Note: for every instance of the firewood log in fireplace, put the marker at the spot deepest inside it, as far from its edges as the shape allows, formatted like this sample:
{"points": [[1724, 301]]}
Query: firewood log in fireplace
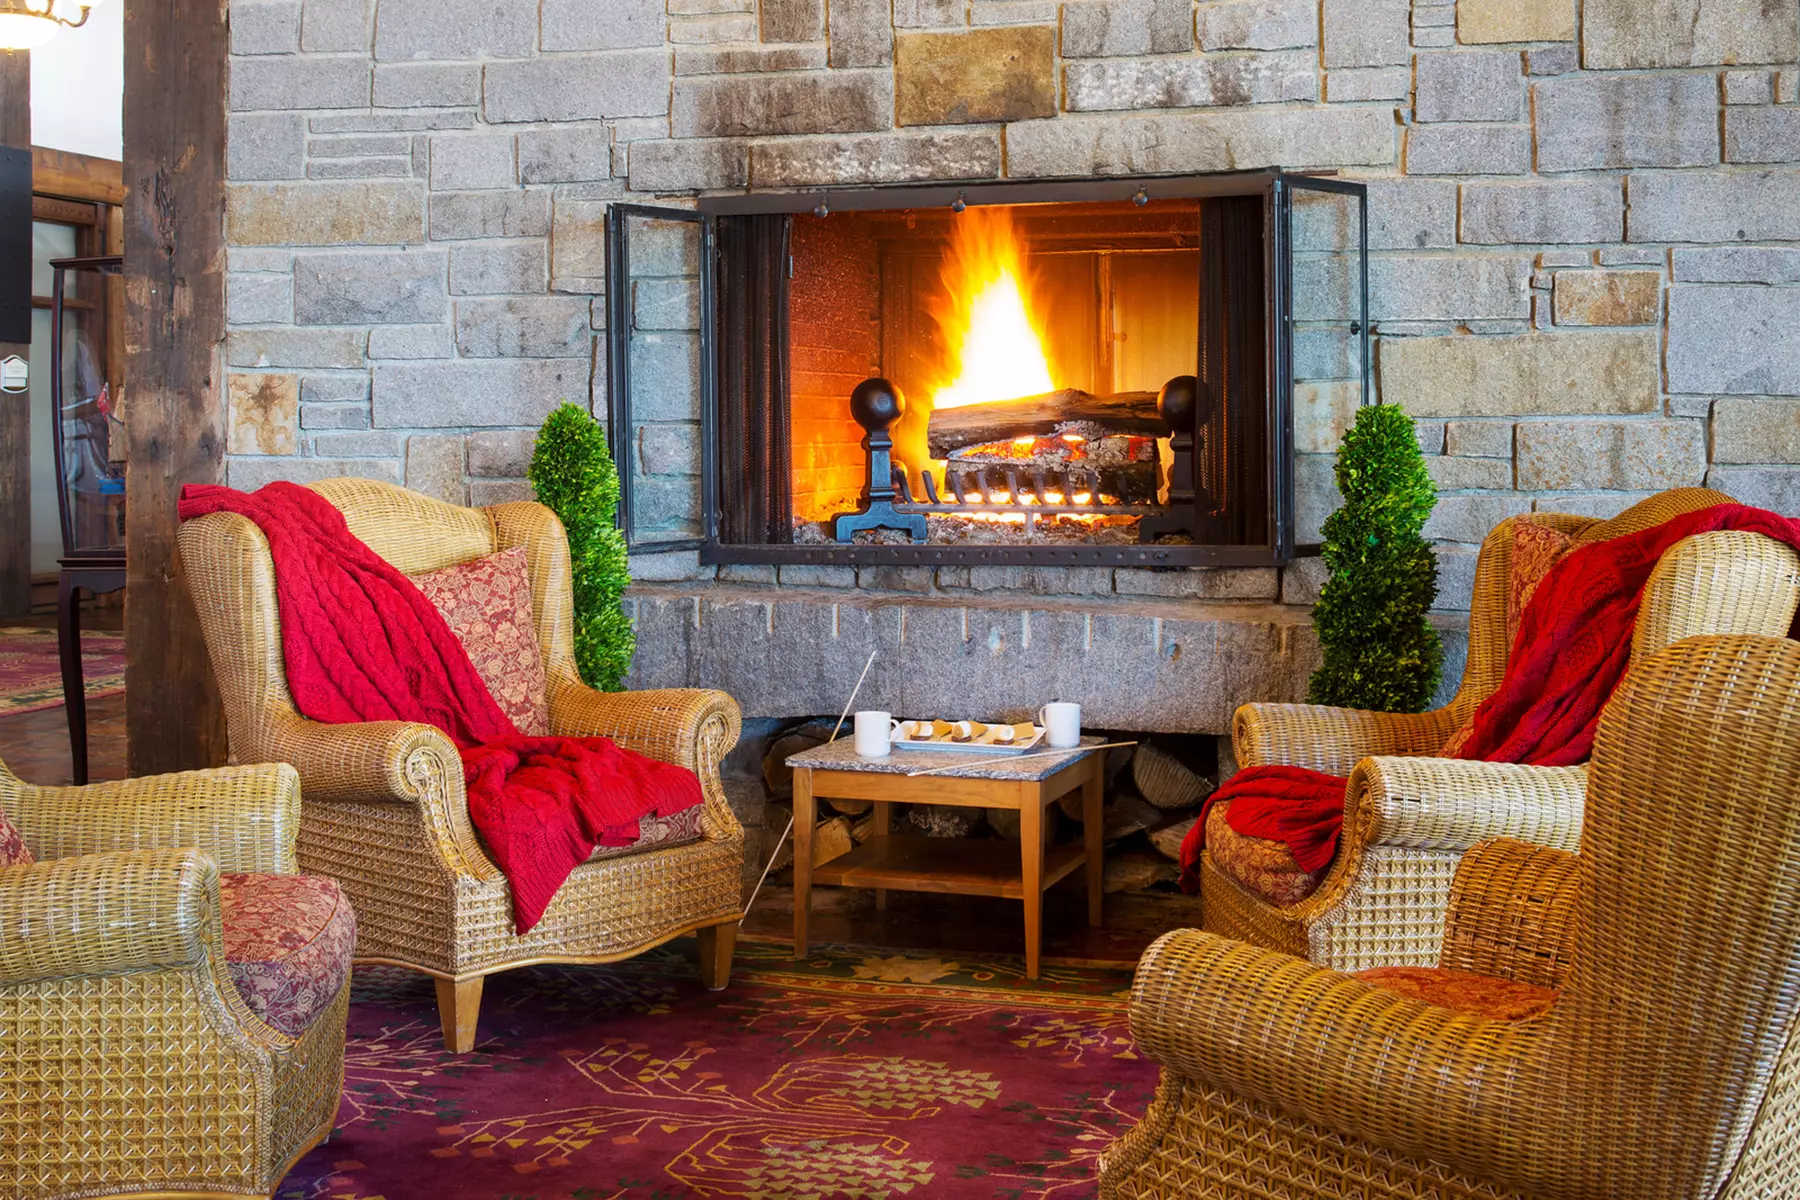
{"points": [[951, 429]]}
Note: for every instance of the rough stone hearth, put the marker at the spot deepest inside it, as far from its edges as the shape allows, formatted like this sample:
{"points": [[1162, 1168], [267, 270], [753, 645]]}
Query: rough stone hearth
{"points": [[1157, 665]]}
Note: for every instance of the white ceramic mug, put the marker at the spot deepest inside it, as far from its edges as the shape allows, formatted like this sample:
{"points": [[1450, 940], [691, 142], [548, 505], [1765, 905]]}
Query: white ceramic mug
{"points": [[873, 731], [1062, 724]]}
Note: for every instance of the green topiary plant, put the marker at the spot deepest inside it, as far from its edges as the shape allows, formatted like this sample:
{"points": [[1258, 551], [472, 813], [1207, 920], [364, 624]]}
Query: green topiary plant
{"points": [[1380, 650], [574, 475]]}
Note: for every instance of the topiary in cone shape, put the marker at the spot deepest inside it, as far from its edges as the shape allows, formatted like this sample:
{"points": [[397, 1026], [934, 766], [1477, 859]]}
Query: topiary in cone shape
{"points": [[1380, 650], [573, 473]]}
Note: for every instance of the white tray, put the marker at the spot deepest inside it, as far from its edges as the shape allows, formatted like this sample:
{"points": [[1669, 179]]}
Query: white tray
{"points": [[974, 747]]}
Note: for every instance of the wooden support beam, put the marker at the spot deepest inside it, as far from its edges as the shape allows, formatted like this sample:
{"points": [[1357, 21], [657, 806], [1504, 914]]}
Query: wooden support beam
{"points": [[175, 80], [15, 409], [77, 176]]}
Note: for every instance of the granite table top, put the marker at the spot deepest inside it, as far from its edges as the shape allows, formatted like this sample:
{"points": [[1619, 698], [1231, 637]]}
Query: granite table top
{"points": [[841, 755]]}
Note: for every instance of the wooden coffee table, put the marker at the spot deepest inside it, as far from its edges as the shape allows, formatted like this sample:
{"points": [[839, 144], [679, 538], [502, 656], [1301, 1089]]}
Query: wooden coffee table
{"points": [[955, 866]]}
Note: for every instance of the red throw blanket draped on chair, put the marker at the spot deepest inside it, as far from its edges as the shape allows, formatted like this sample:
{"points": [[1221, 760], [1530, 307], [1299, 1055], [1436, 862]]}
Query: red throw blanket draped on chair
{"points": [[1572, 648], [362, 643]]}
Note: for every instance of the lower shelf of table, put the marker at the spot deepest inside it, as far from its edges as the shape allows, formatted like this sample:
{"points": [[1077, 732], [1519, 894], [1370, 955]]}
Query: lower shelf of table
{"points": [[952, 866]]}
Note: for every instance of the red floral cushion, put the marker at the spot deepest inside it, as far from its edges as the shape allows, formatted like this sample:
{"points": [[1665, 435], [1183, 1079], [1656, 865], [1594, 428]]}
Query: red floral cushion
{"points": [[655, 832], [487, 604], [1464, 991], [1260, 865], [288, 941], [13, 852]]}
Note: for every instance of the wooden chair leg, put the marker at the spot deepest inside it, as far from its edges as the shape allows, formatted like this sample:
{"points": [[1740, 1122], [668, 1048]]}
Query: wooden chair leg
{"points": [[459, 1007], [716, 945]]}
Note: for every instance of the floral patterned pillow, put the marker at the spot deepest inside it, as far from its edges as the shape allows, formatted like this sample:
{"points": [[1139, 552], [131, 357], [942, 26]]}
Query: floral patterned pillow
{"points": [[487, 604], [12, 845]]}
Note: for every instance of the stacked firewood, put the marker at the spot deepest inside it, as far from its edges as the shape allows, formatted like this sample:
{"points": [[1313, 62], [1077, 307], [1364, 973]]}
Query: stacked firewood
{"points": [[1153, 792]]}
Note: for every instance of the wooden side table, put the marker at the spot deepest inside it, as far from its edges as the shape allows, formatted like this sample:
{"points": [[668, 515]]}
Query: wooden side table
{"points": [[954, 866]]}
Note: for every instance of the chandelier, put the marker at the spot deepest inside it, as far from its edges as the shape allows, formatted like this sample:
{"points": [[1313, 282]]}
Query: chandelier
{"points": [[28, 24]]}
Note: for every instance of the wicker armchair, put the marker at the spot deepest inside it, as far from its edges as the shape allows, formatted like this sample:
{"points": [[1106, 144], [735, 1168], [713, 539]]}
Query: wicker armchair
{"points": [[129, 1061], [1409, 818], [385, 812], [1668, 1066]]}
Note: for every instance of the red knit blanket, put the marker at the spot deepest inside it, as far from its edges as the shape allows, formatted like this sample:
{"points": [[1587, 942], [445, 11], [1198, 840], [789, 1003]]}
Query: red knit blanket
{"points": [[1571, 651], [362, 643]]}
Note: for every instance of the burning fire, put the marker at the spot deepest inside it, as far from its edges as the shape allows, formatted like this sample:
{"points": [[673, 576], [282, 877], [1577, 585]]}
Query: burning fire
{"points": [[987, 325]]}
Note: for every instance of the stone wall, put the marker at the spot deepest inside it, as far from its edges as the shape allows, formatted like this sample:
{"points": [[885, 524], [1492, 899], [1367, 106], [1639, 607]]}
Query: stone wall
{"points": [[1585, 218]]}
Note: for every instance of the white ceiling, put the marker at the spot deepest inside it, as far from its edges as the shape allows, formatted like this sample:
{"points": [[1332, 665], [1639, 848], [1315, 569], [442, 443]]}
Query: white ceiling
{"points": [[78, 86]]}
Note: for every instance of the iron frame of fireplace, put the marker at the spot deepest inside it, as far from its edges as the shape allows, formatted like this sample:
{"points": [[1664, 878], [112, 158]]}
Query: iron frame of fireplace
{"points": [[1275, 185]]}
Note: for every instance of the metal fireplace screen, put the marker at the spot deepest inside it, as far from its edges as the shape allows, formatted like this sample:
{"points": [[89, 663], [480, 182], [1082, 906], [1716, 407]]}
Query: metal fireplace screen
{"points": [[1100, 372]]}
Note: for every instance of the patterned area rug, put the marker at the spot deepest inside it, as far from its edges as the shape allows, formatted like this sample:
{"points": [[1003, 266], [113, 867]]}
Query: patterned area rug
{"points": [[857, 1074], [31, 676]]}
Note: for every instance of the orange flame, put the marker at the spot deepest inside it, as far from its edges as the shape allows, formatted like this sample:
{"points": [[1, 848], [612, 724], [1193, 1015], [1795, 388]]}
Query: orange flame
{"points": [[986, 323]]}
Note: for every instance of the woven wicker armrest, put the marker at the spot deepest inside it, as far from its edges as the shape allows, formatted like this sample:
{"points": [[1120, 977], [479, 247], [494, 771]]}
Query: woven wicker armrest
{"points": [[106, 914], [245, 818], [684, 726], [1513, 913], [1332, 739], [1328, 1048], [374, 760], [1452, 803]]}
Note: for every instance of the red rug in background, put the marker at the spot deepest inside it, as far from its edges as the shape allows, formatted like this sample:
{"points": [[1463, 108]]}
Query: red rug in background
{"points": [[31, 673], [857, 1073]]}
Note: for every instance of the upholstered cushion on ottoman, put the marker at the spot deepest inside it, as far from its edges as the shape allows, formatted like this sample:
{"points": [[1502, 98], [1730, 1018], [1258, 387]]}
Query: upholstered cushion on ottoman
{"points": [[288, 940], [1261, 866], [1465, 991], [656, 833]]}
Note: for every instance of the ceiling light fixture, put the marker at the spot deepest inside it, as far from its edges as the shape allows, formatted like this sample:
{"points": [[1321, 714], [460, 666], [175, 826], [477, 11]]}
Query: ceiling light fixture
{"points": [[28, 24]]}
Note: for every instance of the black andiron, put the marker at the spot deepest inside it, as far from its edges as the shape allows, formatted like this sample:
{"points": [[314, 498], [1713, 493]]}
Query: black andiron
{"points": [[888, 503]]}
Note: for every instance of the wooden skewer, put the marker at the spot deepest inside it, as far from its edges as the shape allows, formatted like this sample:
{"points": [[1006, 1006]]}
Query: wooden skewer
{"points": [[962, 766]]}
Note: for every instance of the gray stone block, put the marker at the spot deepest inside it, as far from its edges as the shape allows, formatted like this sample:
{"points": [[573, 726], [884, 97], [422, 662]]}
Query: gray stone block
{"points": [[876, 158], [1619, 455], [735, 60], [688, 165], [484, 392], [337, 26], [450, 29], [486, 492], [807, 575], [1628, 34], [1468, 85], [1128, 145], [581, 87], [411, 342], [753, 105], [248, 473], [1591, 122], [1762, 135], [1470, 474], [1190, 82], [615, 25], [1479, 439], [572, 154], [1315, 495], [436, 466], [1543, 213], [427, 85], [501, 453], [259, 299], [665, 377], [1459, 287], [1526, 374], [356, 444], [361, 145], [497, 268], [1552, 60], [1764, 429], [1301, 580], [265, 146], [391, 122], [1452, 149], [668, 448], [314, 348], [522, 327], [1036, 581], [1469, 518], [1713, 206], [1749, 87], [335, 389], [462, 162], [1411, 214], [335, 416], [713, 29], [578, 245], [666, 304], [265, 26], [370, 287], [1733, 339], [878, 579], [861, 33], [251, 260], [1456, 578], [1774, 487], [924, 14], [1366, 33], [299, 82], [1350, 84], [460, 216], [1111, 28], [324, 214], [1226, 583], [1238, 25], [1737, 264], [360, 168], [1433, 37], [650, 566]]}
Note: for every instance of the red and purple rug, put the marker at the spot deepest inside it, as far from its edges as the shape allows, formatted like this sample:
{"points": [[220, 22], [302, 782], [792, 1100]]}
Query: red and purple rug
{"points": [[31, 672], [864, 1074]]}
